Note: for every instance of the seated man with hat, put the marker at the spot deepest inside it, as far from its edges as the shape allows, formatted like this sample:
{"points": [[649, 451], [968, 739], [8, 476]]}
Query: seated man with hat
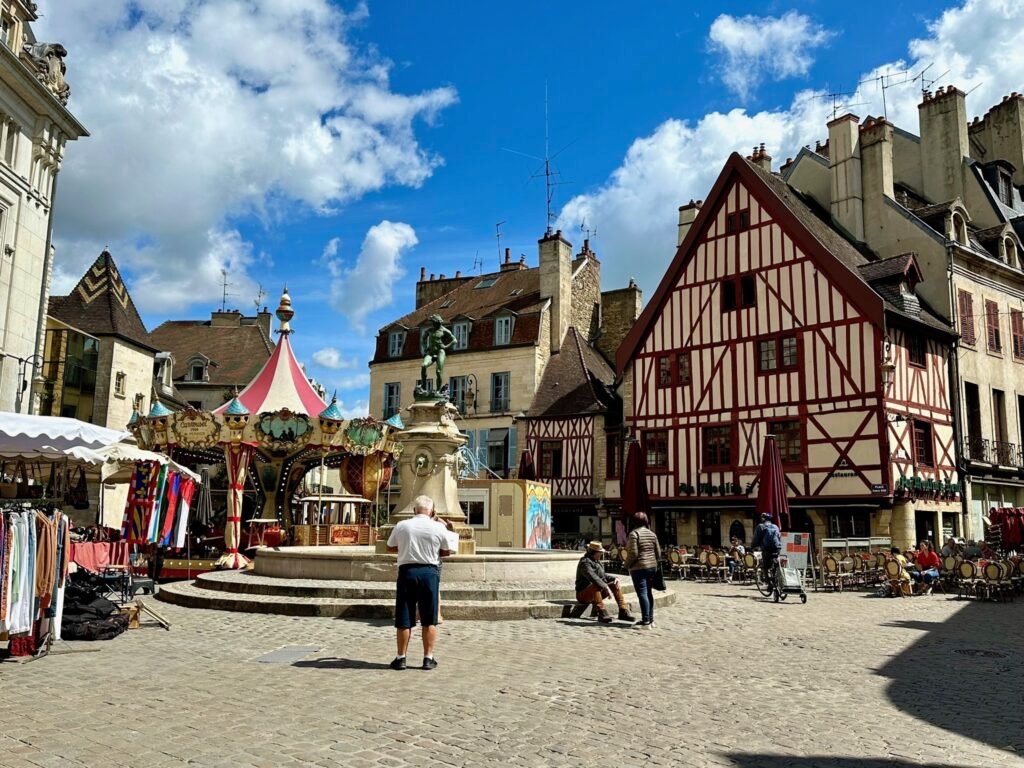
{"points": [[593, 585]]}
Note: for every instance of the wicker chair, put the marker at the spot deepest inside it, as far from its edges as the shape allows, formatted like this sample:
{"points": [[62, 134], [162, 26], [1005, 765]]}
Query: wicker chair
{"points": [[997, 581], [834, 575], [675, 563], [968, 583], [716, 567], [749, 567], [895, 577]]}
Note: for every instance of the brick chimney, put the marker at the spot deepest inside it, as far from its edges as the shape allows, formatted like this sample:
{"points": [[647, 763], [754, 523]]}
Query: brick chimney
{"points": [[1001, 134], [687, 215], [761, 159], [231, 318], [845, 168], [620, 309], [556, 283], [877, 172], [263, 319], [944, 143]]}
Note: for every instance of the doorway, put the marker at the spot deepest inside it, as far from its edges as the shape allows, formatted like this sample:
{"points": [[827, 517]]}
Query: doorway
{"points": [[925, 527], [709, 529]]}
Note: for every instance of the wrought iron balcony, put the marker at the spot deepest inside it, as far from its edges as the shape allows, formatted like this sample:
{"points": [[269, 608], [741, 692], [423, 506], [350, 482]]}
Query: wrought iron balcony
{"points": [[993, 452], [1005, 454], [976, 449]]}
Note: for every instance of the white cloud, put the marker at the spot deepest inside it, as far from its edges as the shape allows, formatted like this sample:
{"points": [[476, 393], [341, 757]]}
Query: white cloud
{"points": [[981, 43], [756, 47], [204, 110], [358, 409], [368, 286], [330, 357]]}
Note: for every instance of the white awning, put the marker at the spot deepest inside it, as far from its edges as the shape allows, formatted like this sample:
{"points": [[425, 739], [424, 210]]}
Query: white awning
{"points": [[50, 437]]}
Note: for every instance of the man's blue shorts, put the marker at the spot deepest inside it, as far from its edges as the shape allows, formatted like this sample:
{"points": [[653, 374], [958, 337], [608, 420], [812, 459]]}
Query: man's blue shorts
{"points": [[417, 590]]}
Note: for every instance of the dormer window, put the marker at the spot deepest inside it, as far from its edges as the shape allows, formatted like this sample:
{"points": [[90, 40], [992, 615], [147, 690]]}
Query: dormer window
{"points": [[460, 330], [396, 343], [197, 371], [1005, 188], [959, 229], [1010, 252], [502, 330]]}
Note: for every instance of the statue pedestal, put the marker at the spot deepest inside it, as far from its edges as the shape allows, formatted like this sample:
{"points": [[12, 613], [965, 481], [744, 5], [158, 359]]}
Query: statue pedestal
{"points": [[427, 467]]}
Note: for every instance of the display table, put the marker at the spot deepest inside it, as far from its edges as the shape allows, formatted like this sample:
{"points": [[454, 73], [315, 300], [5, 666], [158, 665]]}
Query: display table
{"points": [[96, 556]]}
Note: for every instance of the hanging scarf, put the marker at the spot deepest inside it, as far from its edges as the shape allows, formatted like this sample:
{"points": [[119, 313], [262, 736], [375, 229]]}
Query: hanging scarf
{"points": [[170, 508], [187, 493]]}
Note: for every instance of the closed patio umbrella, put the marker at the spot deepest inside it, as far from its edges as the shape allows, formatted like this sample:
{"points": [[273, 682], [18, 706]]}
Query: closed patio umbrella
{"points": [[634, 482], [526, 469], [771, 492]]}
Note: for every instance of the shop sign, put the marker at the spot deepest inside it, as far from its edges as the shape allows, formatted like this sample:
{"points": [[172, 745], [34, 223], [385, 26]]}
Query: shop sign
{"points": [[879, 488]]}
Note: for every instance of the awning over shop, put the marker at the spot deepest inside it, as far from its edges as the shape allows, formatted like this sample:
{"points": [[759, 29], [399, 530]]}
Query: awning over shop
{"points": [[497, 436]]}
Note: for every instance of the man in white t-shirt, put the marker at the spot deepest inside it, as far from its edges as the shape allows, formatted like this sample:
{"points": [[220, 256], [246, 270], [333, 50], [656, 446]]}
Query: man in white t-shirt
{"points": [[420, 543]]}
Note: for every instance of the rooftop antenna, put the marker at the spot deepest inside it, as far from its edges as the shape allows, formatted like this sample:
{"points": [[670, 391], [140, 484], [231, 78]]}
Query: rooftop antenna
{"points": [[224, 290], [838, 104], [260, 293], [497, 235], [478, 263], [589, 233], [546, 170]]}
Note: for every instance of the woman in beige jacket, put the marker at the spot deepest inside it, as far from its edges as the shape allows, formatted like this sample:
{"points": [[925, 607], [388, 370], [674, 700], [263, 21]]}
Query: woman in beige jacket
{"points": [[643, 554]]}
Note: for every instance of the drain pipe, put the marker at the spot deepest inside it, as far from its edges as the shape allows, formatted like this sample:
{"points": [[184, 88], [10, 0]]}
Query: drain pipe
{"points": [[44, 291], [954, 398]]}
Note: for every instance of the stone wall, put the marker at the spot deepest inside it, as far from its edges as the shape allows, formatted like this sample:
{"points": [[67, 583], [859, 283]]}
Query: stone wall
{"points": [[114, 409], [619, 312], [586, 299]]}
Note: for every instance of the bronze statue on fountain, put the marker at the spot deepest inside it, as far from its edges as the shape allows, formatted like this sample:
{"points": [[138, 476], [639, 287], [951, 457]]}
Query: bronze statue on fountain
{"points": [[439, 341]]}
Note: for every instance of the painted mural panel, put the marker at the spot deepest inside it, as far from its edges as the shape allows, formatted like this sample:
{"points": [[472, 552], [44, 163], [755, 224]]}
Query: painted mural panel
{"points": [[538, 516]]}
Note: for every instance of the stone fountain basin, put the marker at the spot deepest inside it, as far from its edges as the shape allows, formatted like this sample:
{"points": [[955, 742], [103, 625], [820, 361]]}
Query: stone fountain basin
{"points": [[364, 564]]}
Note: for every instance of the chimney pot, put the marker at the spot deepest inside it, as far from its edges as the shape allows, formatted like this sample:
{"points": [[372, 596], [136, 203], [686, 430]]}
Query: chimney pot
{"points": [[431, 275], [508, 255], [442, 276], [458, 273], [423, 274]]}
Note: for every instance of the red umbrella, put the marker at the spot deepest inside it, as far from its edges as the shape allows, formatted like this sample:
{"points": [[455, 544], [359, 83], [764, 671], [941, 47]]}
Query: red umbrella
{"points": [[526, 468], [771, 492], [634, 482]]}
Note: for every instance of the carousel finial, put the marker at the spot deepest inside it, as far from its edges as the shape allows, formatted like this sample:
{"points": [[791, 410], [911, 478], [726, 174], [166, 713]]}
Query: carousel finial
{"points": [[285, 312]]}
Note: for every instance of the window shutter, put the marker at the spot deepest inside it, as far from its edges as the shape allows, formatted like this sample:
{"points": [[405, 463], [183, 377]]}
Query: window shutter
{"points": [[967, 331], [1017, 323], [992, 325]]}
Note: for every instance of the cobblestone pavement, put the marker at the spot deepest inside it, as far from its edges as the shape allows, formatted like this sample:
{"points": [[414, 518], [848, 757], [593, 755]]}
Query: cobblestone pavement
{"points": [[726, 679]]}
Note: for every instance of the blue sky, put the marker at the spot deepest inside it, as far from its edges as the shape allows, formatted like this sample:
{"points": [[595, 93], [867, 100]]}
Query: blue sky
{"points": [[340, 147]]}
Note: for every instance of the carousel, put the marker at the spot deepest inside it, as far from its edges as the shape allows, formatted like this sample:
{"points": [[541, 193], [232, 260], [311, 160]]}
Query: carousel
{"points": [[269, 436]]}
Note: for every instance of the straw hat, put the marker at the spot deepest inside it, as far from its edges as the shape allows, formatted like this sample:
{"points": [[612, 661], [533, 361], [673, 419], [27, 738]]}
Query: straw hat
{"points": [[595, 546]]}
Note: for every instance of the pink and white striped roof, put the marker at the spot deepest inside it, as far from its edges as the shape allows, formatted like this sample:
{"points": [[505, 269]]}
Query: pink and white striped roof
{"points": [[280, 384]]}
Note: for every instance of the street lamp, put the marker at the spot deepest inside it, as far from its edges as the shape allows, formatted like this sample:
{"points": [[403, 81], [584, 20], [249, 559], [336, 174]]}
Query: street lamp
{"points": [[888, 368], [38, 380]]}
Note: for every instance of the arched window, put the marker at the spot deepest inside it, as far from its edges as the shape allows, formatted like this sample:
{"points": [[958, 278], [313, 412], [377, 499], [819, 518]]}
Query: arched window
{"points": [[1010, 252], [959, 228]]}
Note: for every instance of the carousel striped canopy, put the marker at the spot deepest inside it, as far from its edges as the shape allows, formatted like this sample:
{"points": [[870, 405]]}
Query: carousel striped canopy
{"points": [[280, 384]]}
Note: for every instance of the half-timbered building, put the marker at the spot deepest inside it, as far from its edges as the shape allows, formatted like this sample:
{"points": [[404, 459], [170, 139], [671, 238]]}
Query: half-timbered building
{"points": [[951, 193], [769, 321], [572, 432]]}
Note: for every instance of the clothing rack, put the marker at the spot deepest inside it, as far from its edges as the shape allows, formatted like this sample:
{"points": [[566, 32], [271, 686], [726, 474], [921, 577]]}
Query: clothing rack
{"points": [[35, 552]]}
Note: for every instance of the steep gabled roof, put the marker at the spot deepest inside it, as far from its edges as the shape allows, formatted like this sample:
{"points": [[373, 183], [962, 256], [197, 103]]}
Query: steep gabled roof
{"points": [[834, 255], [101, 305], [236, 352], [576, 382], [896, 266]]}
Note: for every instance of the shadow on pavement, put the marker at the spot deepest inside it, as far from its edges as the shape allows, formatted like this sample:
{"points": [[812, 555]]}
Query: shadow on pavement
{"points": [[746, 760], [336, 663], [964, 674]]}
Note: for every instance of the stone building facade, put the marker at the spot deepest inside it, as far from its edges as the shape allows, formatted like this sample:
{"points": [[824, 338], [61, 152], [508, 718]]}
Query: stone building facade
{"points": [[509, 326], [35, 127], [98, 360], [951, 195]]}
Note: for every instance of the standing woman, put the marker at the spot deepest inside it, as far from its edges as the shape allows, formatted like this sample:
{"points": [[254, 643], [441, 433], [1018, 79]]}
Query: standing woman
{"points": [[643, 554]]}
